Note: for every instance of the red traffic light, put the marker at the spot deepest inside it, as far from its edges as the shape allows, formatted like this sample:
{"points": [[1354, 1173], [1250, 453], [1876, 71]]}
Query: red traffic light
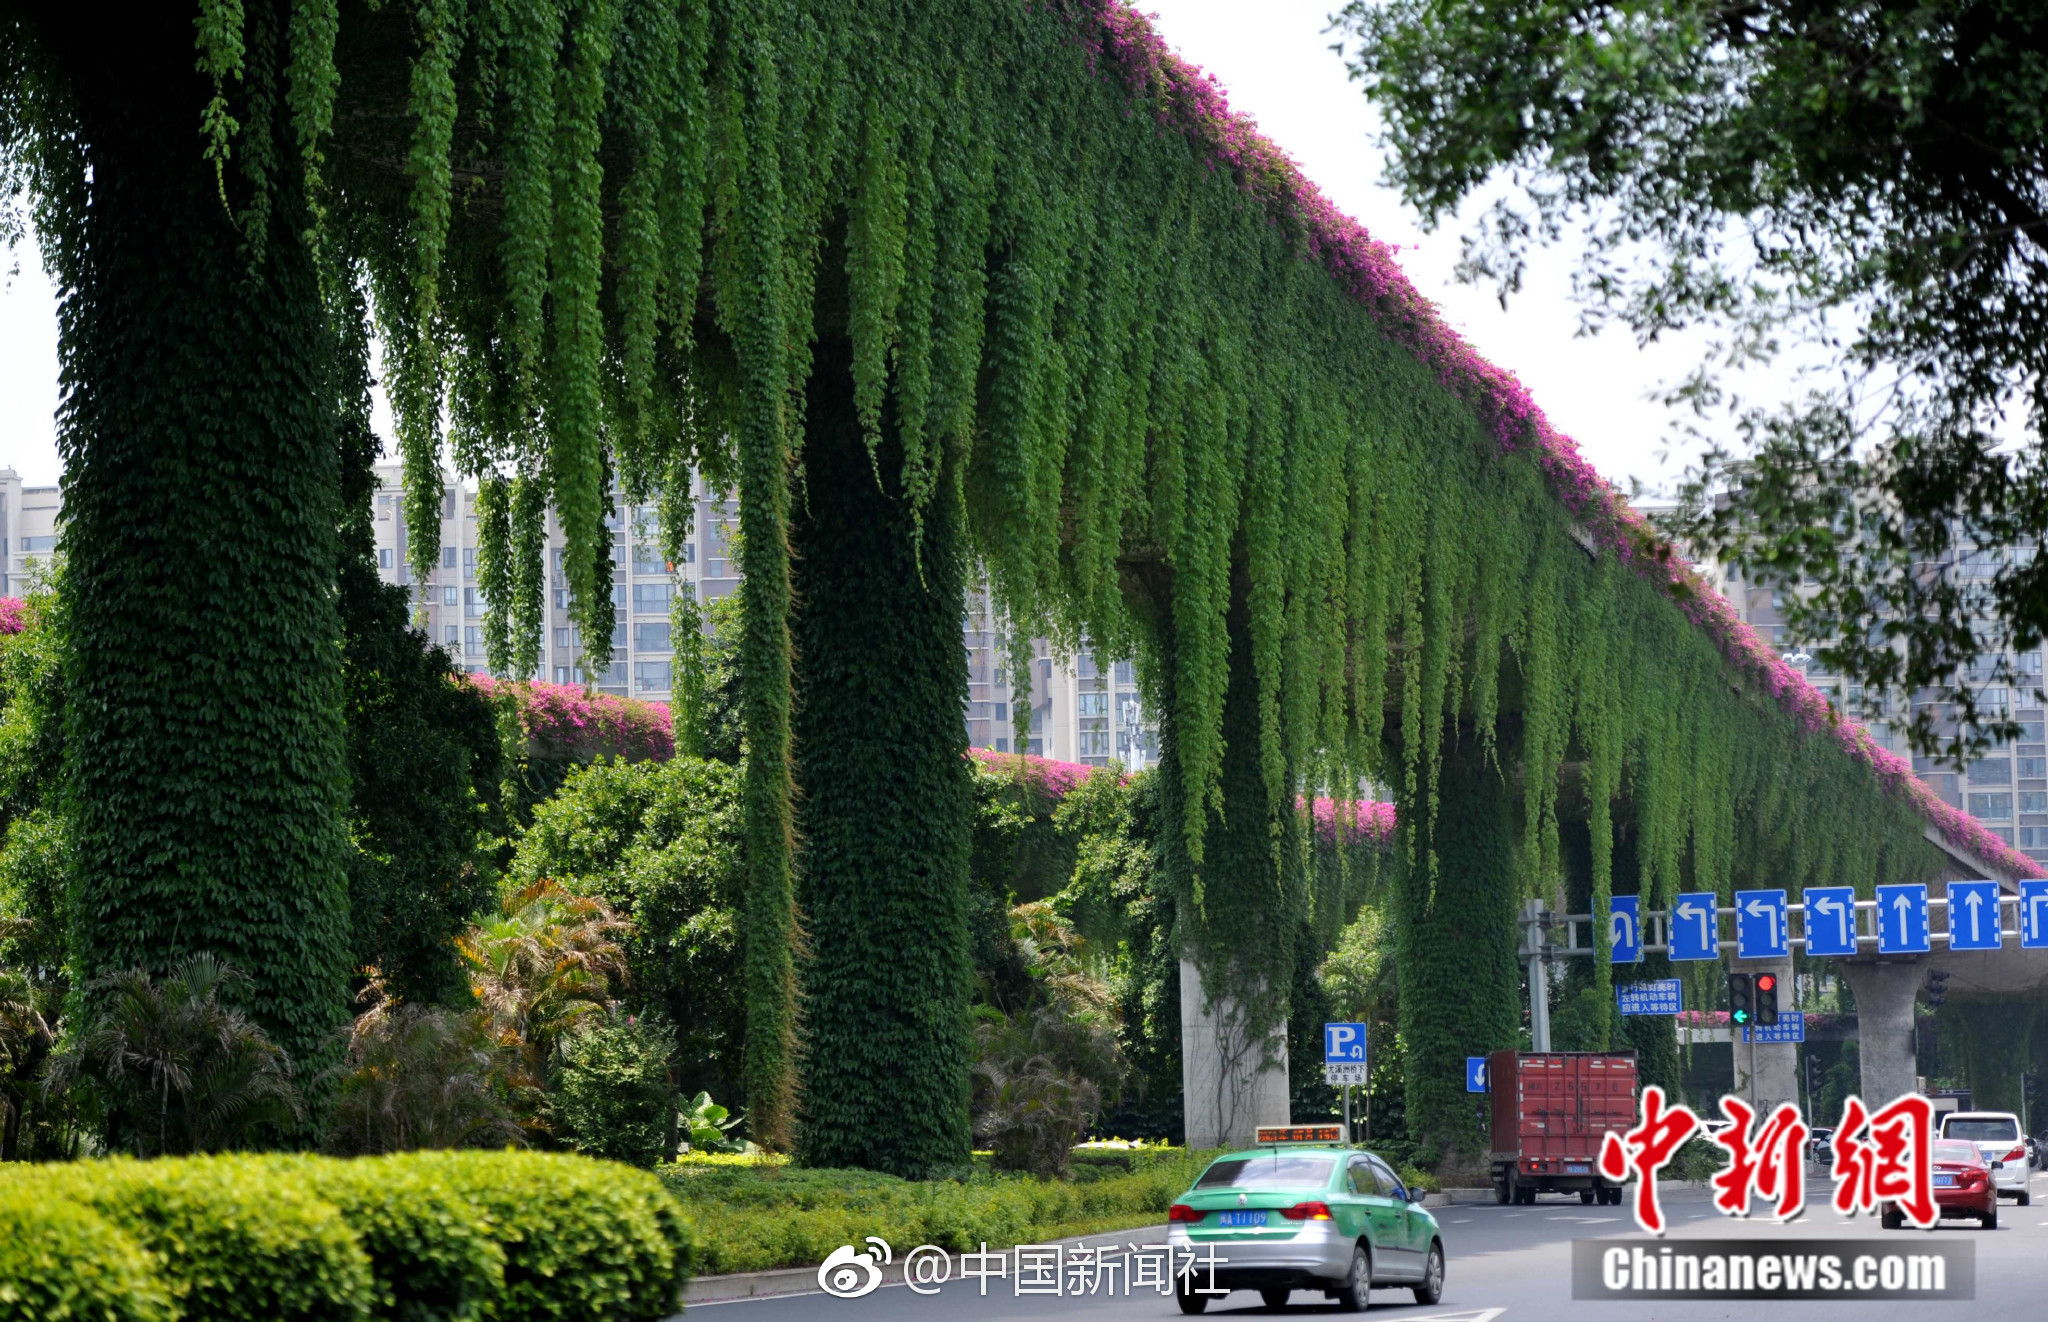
{"points": [[1766, 981]]}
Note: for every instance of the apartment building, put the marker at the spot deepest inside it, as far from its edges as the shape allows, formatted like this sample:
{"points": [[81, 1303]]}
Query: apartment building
{"points": [[28, 531], [643, 586], [2007, 788], [1084, 708]]}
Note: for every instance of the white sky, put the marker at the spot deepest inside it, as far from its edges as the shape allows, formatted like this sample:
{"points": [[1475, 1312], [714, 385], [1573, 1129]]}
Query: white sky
{"points": [[1274, 57]]}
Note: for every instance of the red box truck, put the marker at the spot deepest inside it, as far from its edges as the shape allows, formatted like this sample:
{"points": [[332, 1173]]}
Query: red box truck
{"points": [[1551, 1111]]}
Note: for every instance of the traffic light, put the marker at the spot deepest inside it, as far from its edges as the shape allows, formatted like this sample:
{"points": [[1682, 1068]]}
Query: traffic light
{"points": [[1937, 989], [1766, 999], [1812, 1076], [1741, 999]]}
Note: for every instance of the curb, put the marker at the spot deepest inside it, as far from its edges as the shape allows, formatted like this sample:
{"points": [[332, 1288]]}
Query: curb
{"points": [[783, 1282]]}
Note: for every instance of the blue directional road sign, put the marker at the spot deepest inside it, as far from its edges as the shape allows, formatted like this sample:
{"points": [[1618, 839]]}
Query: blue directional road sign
{"points": [[1760, 925], [1660, 997], [1791, 1027], [1343, 1044], [1625, 929], [1973, 915], [1475, 1074], [1902, 919], [1830, 920], [1695, 932], [2034, 914]]}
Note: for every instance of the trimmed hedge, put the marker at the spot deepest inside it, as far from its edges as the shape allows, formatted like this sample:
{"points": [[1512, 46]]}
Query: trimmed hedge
{"points": [[60, 1261], [417, 1237], [754, 1215]]}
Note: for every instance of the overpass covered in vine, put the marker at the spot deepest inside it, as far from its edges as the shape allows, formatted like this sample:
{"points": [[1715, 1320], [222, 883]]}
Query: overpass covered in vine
{"points": [[955, 283]]}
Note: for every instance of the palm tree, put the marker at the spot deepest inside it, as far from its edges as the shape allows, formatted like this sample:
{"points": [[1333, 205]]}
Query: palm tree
{"points": [[26, 1040], [546, 962], [418, 1076], [176, 1069]]}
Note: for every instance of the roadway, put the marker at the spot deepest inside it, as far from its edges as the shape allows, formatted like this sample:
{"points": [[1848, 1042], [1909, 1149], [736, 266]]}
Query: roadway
{"points": [[1513, 1264]]}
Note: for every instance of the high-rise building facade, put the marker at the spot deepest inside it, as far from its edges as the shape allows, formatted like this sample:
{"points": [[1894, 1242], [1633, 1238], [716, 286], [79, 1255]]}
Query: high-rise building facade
{"points": [[1081, 711], [28, 531], [2007, 787]]}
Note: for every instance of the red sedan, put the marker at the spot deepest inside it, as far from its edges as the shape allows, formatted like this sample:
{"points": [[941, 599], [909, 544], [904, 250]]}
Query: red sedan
{"points": [[1962, 1187]]}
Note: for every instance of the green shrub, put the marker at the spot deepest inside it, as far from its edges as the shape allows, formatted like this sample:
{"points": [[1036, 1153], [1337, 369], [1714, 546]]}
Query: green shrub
{"points": [[754, 1215], [236, 1236], [582, 1239], [614, 1096], [60, 1262], [432, 1253]]}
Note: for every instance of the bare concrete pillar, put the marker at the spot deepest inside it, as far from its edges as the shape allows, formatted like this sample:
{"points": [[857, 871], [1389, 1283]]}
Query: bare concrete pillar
{"points": [[1766, 1073], [1884, 1025], [1230, 1082]]}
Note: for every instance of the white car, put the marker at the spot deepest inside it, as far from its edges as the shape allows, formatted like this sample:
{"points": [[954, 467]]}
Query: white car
{"points": [[1996, 1135]]}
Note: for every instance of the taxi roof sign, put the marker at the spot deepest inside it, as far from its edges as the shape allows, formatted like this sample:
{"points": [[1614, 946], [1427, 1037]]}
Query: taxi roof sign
{"points": [[1301, 1134]]}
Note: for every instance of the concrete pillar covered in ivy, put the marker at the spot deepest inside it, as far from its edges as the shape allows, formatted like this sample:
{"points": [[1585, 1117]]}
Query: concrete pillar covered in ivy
{"points": [[1455, 900], [207, 760], [884, 798]]}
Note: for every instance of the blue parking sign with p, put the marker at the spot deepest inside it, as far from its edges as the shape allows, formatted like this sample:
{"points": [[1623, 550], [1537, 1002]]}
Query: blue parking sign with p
{"points": [[1343, 1044], [1902, 919], [1625, 929]]}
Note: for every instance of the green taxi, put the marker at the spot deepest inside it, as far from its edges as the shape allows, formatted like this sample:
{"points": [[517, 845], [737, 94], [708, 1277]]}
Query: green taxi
{"points": [[1323, 1218]]}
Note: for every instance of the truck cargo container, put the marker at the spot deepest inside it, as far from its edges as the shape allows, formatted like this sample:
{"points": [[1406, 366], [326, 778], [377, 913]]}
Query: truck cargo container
{"points": [[1551, 1111]]}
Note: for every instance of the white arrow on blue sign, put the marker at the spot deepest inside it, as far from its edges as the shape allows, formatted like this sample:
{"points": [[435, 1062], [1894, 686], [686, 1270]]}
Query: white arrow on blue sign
{"points": [[1625, 930], [1973, 915], [1695, 932], [1902, 919], [1830, 920], [2034, 914], [1343, 1044], [1475, 1074], [1760, 922]]}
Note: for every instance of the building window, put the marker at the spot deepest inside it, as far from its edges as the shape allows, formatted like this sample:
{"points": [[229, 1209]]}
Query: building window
{"points": [[651, 637], [561, 674], [565, 640], [1002, 745], [469, 562], [472, 604], [452, 635], [383, 507], [1124, 673], [1093, 704], [652, 676], [651, 597], [447, 504], [689, 553], [448, 595], [1996, 771], [472, 641], [38, 545], [2033, 766], [2034, 802], [447, 557], [2034, 837], [383, 557], [648, 560], [1991, 805]]}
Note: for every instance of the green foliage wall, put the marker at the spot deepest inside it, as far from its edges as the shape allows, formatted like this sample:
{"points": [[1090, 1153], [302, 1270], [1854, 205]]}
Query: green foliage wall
{"points": [[1084, 301], [1456, 933], [882, 769], [204, 739]]}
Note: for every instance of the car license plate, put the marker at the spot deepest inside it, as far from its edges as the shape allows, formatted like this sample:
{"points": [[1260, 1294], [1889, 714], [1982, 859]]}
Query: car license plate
{"points": [[1577, 1170], [1243, 1218], [1944, 1181]]}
